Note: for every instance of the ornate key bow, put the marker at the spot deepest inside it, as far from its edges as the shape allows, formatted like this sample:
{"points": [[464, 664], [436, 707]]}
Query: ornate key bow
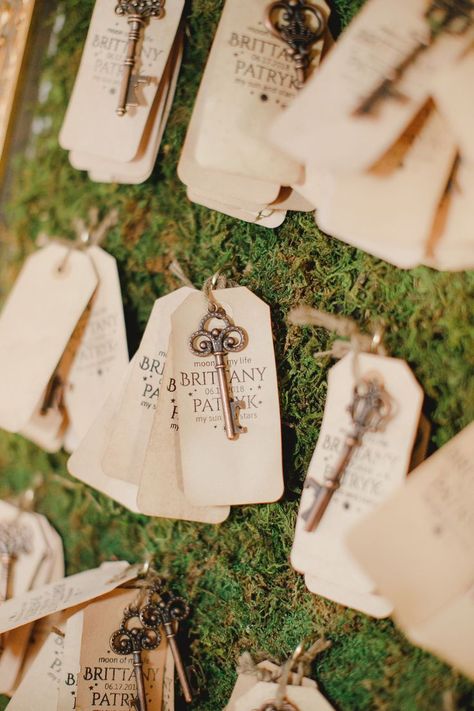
{"points": [[300, 24], [218, 342]]}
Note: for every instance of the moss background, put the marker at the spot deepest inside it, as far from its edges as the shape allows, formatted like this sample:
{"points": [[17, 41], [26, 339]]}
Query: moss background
{"points": [[244, 594]]}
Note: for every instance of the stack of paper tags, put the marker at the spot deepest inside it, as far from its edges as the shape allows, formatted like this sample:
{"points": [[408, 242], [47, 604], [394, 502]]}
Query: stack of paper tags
{"points": [[419, 548], [157, 444], [32, 556], [62, 344], [76, 669], [227, 162], [110, 146], [383, 130]]}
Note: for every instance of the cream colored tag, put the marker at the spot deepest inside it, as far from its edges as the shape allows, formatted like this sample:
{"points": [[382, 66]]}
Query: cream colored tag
{"points": [[320, 123], [451, 245], [216, 470], [378, 467], [101, 352], [39, 688], [161, 482], [371, 604], [86, 462], [383, 211], [245, 682], [303, 698], [250, 80], [107, 679], [456, 102], [131, 424], [46, 430], [140, 168], [91, 124], [71, 663], [36, 324], [264, 217], [419, 548], [168, 682], [66, 593]]}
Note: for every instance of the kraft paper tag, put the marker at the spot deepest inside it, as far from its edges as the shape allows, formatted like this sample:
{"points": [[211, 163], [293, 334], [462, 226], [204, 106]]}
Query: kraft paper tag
{"points": [[107, 679], [39, 688], [304, 698], [36, 324], [86, 461], [321, 123], [218, 471], [101, 352], [451, 244], [70, 662], [161, 483], [419, 548], [456, 103], [63, 594], [131, 425], [91, 124], [250, 80], [382, 210], [378, 467]]}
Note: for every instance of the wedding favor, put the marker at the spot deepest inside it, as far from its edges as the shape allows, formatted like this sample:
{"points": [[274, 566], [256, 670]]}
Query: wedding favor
{"points": [[362, 455], [62, 341], [418, 546], [259, 60], [373, 124], [124, 89]]}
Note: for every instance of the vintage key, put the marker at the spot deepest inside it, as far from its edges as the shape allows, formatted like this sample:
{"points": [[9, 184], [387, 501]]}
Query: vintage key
{"points": [[138, 13], [443, 16], [15, 539], [219, 342], [300, 24], [370, 410], [133, 640], [165, 609]]}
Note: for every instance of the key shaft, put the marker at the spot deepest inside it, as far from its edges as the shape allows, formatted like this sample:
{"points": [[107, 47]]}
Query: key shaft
{"points": [[136, 24]]}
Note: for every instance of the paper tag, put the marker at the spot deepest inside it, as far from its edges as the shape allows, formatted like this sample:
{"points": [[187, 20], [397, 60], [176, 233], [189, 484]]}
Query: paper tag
{"points": [[419, 548], [86, 462], [131, 425], [263, 217], [376, 210], [250, 79], [46, 430], [70, 663], [65, 593], [101, 351], [369, 603], [216, 470], [378, 467], [91, 124], [161, 482], [321, 122], [456, 103], [39, 688], [107, 679], [302, 697], [245, 682], [36, 323]]}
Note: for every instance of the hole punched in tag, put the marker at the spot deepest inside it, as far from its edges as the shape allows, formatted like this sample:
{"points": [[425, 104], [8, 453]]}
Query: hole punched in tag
{"points": [[452, 17], [218, 341], [137, 12], [370, 409], [300, 24], [154, 608]]}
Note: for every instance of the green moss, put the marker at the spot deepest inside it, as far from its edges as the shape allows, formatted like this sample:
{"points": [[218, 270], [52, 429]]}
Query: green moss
{"points": [[243, 591]]}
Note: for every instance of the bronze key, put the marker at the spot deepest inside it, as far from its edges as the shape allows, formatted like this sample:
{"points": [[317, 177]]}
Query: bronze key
{"points": [[165, 609], [442, 16], [138, 13], [300, 24], [219, 342], [370, 410]]}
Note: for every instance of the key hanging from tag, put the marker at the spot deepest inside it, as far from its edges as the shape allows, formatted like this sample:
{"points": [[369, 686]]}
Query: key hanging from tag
{"points": [[443, 17], [219, 342], [300, 24], [158, 609], [138, 12]]}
